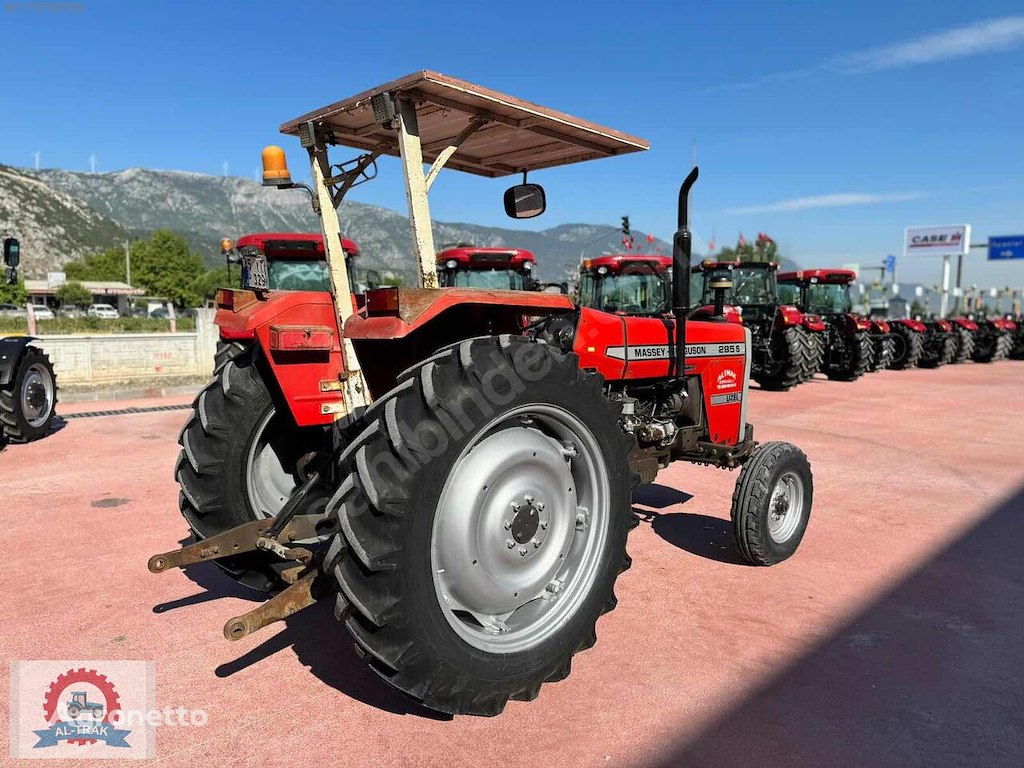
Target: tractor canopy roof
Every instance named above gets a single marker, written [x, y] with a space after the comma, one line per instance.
[292, 245]
[488, 258]
[839, 276]
[710, 265]
[497, 135]
[617, 262]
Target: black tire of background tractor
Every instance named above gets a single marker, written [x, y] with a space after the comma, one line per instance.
[909, 344]
[933, 358]
[949, 349]
[793, 351]
[884, 348]
[964, 345]
[1017, 350]
[816, 355]
[382, 558]
[13, 421]
[1003, 346]
[227, 350]
[860, 357]
[751, 502]
[212, 466]
[985, 347]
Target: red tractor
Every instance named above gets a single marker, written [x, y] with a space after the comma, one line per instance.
[627, 284]
[964, 331]
[848, 347]
[940, 343]
[466, 266]
[786, 349]
[464, 458]
[288, 261]
[993, 340]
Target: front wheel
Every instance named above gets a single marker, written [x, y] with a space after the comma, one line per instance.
[772, 503]
[482, 533]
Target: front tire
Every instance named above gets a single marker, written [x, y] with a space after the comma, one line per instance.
[857, 361]
[771, 505]
[239, 462]
[28, 404]
[523, 448]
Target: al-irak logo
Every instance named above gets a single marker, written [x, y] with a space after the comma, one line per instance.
[727, 379]
[79, 706]
[82, 710]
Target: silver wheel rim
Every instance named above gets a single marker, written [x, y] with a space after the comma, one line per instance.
[37, 395]
[520, 528]
[268, 482]
[786, 507]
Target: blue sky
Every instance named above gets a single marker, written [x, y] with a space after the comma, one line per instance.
[831, 126]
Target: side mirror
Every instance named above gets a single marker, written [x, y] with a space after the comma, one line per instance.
[524, 201]
[12, 252]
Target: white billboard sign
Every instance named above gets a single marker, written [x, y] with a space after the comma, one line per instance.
[951, 240]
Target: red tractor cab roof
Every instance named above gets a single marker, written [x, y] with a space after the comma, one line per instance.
[620, 261]
[487, 258]
[710, 265]
[838, 276]
[292, 245]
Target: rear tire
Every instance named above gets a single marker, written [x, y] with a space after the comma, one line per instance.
[227, 350]
[27, 405]
[859, 359]
[792, 353]
[816, 357]
[964, 345]
[430, 622]
[884, 348]
[909, 344]
[238, 463]
[771, 504]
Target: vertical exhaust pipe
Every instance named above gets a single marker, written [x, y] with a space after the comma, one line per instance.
[682, 248]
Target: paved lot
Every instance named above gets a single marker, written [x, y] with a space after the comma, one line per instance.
[895, 636]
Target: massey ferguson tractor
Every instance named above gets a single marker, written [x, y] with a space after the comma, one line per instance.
[456, 464]
[28, 386]
[848, 348]
[466, 266]
[291, 261]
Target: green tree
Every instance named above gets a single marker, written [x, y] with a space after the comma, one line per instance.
[12, 294]
[165, 266]
[205, 285]
[74, 294]
[106, 265]
[392, 279]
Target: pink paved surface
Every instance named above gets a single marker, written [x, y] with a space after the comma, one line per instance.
[892, 637]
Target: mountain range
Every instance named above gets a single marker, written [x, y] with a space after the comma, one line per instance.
[61, 215]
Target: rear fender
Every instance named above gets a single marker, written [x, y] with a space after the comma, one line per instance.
[297, 333]
[879, 326]
[11, 350]
[789, 315]
[914, 325]
[963, 322]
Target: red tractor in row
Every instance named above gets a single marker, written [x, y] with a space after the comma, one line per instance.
[468, 266]
[993, 339]
[460, 461]
[627, 284]
[785, 348]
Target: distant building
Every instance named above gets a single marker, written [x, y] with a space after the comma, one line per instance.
[44, 292]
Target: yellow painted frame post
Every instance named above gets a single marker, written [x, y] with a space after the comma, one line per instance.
[416, 192]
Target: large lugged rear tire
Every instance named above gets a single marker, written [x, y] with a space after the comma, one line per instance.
[27, 405]
[884, 348]
[816, 357]
[771, 504]
[227, 350]
[859, 359]
[239, 462]
[909, 346]
[964, 345]
[483, 515]
[792, 352]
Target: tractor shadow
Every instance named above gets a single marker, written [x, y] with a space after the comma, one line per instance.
[708, 537]
[317, 639]
[323, 645]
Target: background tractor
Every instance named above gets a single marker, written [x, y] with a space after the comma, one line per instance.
[28, 386]
[993, 340]
[964, 331]
[484, 444]
[466, 266]
[940, 343]
[848, 349]
[627, 284]
[1017, 350]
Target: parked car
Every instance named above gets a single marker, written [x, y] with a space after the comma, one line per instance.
[103, 311]
[42, 313]
[12, 310]
[138, 312]
[71, 312]
[160, 313]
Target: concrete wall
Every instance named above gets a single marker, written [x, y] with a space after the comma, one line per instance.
[119, 357]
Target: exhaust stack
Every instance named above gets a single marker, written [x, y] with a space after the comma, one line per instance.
[682, 248]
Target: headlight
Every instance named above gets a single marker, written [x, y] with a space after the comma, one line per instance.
[451, 263]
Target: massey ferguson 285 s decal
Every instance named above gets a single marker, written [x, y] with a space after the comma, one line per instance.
[661, 351]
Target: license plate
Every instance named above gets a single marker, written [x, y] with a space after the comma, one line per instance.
[254, 273]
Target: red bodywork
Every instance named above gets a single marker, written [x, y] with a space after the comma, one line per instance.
[292, 245]
[620, 261]
[914, 325]
[965, 323]
[840, 276]
[468, 257]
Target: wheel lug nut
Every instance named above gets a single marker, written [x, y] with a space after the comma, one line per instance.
[528, 499]
[510, 544]
[516, 506]
[540, 506]
[508, 525]
[543, 525]
[536, 544]
[522, 551]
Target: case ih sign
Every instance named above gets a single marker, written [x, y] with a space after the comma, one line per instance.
[937, 241]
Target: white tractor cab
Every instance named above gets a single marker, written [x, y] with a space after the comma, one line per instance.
[466, 266]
